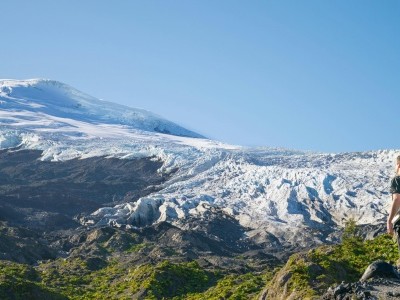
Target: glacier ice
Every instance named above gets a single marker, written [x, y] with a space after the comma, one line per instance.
[271, 190]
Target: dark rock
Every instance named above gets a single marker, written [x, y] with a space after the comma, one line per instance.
[41, 201]
[378, 274]
[380, 269]
[393, 294]
[95, 263]
[47, 195]
[348, 291]
[23, 245]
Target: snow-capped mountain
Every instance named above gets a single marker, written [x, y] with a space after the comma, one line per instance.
[280, 196]
[40, 103]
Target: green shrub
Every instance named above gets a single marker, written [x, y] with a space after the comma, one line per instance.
[170, 280]
[233, 287]
[18, 282]
[313, 272]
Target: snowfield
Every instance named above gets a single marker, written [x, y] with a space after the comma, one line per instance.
[289, 194]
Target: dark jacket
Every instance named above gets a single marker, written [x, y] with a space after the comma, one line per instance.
[395, 185]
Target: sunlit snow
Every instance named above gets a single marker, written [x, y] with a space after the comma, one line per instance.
[276, 190]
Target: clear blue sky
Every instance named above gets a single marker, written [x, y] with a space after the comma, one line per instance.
[311, 75]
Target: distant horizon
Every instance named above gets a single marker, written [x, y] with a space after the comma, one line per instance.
[311, 76]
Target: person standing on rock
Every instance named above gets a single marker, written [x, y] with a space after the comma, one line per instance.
[395, 191]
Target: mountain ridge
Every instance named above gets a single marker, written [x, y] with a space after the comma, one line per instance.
[58, 99]
[275, 193]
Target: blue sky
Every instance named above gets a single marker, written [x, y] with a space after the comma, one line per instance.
[311, 75]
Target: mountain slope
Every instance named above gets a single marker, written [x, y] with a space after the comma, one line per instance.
[41, 103]
[281, 198]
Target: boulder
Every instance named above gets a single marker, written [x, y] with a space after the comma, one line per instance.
[380, 269]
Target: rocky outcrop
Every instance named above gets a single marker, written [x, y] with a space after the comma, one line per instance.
[380, 269]
[293, 280]
[374, 289]
[308, 275]
[157, 243]
[380, 280]
[349, 291]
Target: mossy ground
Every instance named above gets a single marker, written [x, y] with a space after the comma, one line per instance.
[72, 279]
[309, 274]
[20, 282]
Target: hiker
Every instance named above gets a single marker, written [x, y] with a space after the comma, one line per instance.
[395, 191]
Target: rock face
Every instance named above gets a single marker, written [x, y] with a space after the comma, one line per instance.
[42, 201]
[48, 195]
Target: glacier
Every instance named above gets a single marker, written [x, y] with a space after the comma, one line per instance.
[295, 196]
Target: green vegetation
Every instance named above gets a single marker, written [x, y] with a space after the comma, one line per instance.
[170, 280]
[73, 279]
[234, 287]
[18, 282]
[117, 274]
[137, 247]
[310, 274]
[118, 281]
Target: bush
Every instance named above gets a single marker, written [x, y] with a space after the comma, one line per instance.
[313, 272]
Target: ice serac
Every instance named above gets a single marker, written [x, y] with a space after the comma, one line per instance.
[299, 198]
[280, 197]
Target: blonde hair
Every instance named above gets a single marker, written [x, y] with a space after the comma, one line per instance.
[398, 165]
